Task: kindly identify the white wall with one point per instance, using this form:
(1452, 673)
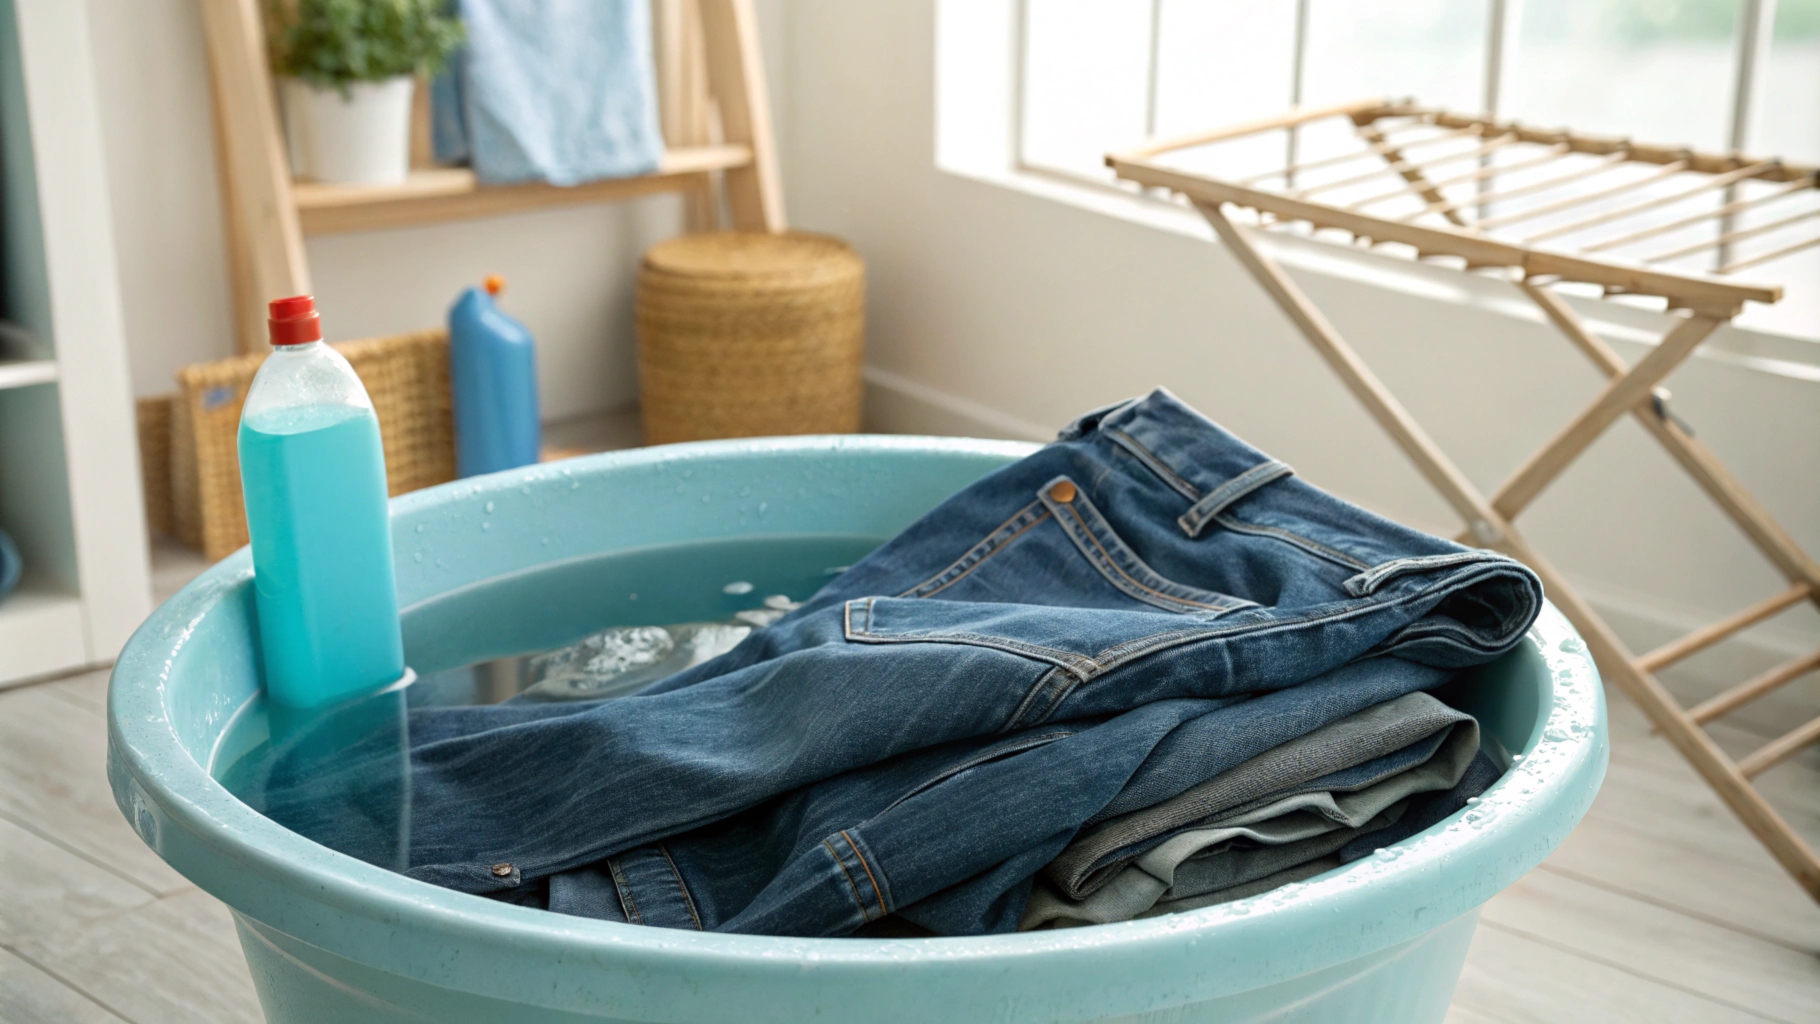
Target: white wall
(569, 272)
(998, 309)
(152, 86)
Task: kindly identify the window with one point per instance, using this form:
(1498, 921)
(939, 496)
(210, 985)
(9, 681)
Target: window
(1675, 59)
(1722, 75)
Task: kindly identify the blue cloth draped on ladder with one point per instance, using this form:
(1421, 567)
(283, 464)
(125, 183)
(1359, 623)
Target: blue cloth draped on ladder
(562, 91)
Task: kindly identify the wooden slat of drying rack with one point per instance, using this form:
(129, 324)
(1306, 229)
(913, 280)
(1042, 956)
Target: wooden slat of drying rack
(1406, 162)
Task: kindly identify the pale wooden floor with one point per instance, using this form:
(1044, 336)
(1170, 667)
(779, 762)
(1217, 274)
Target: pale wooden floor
(1658, 909)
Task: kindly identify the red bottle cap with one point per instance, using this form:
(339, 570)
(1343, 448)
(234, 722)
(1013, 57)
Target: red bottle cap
(294, 321)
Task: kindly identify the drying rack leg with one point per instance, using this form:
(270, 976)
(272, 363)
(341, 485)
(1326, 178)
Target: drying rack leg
(1700, 463)
(1619, 665)
(1629, 391)
(1487, 525)
(1625, 390)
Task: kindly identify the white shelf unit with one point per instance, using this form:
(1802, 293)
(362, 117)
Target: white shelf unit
(69, 475)
(21, 373)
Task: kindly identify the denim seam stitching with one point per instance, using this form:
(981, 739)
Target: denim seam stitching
(1451, 631)
(1075, 664)
(1026, 714)
(1023, 706)
(627, 902)
(682, 887)
(1030, 743)
(991, 545)
(1107, 563)
(1132, 650)
(858, 901)
(857, 855)
(983, 559)
(1291, 537)
(1220, 498)
(1123, 654)
(1061, 659)
(1374, 578)
(1107, 560)
(1153, 462)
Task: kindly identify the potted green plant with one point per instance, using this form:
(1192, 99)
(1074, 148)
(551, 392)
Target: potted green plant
(347, 69)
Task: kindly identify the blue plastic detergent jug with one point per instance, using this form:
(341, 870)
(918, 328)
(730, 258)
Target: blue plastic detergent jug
(493, 371)
(313, 474)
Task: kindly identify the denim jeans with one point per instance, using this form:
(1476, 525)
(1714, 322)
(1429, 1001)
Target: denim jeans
(1093, 629)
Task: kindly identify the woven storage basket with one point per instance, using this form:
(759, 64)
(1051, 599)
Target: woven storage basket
(154, 420)
(407, 376)
(744, 334)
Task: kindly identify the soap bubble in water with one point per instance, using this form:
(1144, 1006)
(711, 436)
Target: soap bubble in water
(776, 607)
(737, 587)
(623, 659)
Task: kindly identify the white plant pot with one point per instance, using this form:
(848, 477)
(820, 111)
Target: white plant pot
(361, 138)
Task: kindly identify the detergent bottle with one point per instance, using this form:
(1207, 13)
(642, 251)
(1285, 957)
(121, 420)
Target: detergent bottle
(313, 474)
(493, 373)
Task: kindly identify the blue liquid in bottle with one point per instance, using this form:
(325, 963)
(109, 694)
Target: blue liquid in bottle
(313, 474)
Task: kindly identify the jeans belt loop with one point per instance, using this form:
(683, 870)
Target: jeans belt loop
(1216, 501)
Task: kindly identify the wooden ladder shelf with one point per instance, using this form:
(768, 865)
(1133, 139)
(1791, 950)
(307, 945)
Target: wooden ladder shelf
(1607, 181)
(709, 72)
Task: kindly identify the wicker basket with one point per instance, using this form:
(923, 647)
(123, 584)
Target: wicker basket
(742, 335)
(154, 419)
(407, 376)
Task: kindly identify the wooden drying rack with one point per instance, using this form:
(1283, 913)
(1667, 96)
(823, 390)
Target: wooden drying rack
(1576, 187)
(709, 75)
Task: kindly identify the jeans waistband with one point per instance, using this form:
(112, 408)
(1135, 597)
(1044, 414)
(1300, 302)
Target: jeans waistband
(1212, 471)
(1189, 452)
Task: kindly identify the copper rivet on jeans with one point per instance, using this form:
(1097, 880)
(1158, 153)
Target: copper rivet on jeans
(1062, 492)
(502, 869)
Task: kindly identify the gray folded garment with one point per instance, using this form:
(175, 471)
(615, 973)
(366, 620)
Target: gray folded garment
(1250, 844)
(1297, 802)
(1299, 873)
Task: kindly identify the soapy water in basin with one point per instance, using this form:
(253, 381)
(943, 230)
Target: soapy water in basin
(590, 629)
(586, 629)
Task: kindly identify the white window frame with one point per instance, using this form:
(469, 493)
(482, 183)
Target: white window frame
(1750, 60)
(977, 136)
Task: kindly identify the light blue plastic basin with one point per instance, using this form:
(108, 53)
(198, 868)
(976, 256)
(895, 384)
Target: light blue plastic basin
(332, 940)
